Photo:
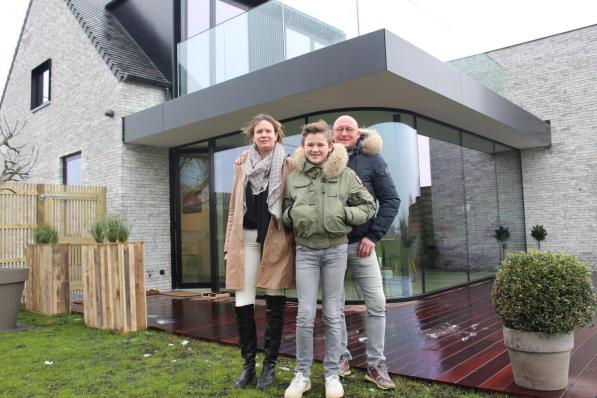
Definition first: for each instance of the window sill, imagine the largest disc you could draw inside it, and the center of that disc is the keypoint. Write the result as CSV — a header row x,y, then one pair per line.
x,y
41,106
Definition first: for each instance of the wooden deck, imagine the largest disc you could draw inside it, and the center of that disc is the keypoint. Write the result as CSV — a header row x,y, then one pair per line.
x,y
454,337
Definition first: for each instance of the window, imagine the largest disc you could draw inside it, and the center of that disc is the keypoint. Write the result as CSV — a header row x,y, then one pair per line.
x,y
40,84
227,9
197,17
71,169
201,15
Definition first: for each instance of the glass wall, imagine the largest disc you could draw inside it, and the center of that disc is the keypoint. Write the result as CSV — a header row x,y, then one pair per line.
x,y
275,31
195,240
456,189
248,41
444,250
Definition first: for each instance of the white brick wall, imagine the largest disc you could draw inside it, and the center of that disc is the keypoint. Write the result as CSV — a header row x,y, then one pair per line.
x,y
556,79
83,88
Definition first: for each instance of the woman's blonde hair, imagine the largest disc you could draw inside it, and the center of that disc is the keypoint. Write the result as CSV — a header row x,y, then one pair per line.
x,y
249,128
318,127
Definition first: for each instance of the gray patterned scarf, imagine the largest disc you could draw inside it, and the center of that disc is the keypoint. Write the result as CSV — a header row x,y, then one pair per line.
x,y
265,174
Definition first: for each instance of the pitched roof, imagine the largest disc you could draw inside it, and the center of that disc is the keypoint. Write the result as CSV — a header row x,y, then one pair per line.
x,y
121,52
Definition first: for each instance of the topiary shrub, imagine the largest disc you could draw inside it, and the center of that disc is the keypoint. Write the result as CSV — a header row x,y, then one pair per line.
x,y
502,234
543,292
45,234
539,234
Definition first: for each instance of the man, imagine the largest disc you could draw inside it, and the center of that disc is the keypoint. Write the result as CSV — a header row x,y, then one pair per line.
x,y
364,149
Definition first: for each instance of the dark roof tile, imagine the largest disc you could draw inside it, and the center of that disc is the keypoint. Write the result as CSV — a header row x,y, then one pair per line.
x,y
121,52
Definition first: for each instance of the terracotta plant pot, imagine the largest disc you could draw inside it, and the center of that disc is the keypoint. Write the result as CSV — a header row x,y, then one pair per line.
x,y
12,281
539,361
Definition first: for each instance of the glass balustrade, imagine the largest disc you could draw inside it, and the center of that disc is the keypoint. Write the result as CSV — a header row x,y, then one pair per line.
x,y
279,30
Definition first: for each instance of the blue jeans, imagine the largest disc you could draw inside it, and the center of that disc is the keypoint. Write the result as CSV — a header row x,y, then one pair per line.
x,y
367,277
329,265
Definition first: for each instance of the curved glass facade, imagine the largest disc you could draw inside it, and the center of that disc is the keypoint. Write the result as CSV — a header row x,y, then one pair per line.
x,y
456,188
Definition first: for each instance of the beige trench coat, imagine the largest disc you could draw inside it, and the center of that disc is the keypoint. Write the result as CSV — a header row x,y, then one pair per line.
x,y
276,270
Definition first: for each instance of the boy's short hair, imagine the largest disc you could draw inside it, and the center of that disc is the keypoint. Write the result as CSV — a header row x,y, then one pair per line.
x,y
318,127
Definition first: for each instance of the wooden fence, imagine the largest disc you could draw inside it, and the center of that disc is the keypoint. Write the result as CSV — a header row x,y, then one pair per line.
x,y
70,209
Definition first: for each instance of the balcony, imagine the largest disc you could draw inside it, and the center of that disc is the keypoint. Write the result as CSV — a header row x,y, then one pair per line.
x,y
269,34
297,57
280,30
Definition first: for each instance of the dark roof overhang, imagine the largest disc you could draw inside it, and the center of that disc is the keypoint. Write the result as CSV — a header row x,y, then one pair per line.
x,y
378,69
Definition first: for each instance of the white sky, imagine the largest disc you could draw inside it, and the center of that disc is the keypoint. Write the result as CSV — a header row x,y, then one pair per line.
x,y
447,29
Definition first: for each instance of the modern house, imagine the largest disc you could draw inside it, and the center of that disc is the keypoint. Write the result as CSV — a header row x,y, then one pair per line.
x,y
146,97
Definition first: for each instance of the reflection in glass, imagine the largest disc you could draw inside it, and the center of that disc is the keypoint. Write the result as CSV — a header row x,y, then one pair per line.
x,y
226,10
444,249
510,196
482,216
194,218
247,41
227,150
399,246
195,17
298,43
72,169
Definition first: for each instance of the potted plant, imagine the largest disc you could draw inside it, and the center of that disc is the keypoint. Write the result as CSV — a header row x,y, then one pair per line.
x,y
12,281
113,278
539,233
48,286
542,298
502,234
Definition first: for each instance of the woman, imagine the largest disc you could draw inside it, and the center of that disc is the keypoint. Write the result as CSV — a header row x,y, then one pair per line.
x,y
258,249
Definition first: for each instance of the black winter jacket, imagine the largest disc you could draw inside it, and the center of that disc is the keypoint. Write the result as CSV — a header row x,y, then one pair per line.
x,y
371,168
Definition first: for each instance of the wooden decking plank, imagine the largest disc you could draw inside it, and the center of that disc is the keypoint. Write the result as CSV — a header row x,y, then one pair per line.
x,y
480,361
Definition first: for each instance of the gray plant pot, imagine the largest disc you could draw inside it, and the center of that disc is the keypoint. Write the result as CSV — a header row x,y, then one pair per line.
x,y
539,361
12,281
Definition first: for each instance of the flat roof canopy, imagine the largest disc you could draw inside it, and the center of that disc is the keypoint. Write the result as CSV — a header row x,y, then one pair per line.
x,y
374,70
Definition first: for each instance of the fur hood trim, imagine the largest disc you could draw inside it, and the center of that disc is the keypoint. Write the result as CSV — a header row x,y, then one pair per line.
x,y
332,167
371,142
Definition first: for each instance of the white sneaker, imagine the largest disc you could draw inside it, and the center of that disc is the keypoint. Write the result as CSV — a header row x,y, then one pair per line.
x,y
298,386
333,387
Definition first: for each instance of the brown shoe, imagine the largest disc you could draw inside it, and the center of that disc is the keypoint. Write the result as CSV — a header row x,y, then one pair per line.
x,y
344,366
379,375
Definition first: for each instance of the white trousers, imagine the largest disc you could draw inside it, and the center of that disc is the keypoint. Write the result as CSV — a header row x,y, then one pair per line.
x,y
252,262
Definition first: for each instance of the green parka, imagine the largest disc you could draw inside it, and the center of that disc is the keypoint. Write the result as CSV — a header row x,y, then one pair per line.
x,y
322,203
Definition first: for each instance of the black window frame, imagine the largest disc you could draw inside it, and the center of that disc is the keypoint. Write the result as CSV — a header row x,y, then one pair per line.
x,y
64,165
37,84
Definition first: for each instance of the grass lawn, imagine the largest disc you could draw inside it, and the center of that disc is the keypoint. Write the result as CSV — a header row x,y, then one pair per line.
x,y
60,357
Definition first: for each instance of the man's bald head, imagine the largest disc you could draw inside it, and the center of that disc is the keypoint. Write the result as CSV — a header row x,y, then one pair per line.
x,y
346,131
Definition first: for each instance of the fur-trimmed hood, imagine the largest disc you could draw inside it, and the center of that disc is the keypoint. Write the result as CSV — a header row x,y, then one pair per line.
x,y
370,142
332,167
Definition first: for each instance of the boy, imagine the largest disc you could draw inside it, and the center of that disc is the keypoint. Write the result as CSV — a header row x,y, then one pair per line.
x,y
323,199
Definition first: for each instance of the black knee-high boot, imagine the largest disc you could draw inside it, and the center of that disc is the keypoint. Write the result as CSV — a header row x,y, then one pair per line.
x,y
247,333
273,338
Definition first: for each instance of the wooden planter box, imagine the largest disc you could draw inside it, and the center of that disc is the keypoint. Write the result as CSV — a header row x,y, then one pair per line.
x,y
48,286
114,286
